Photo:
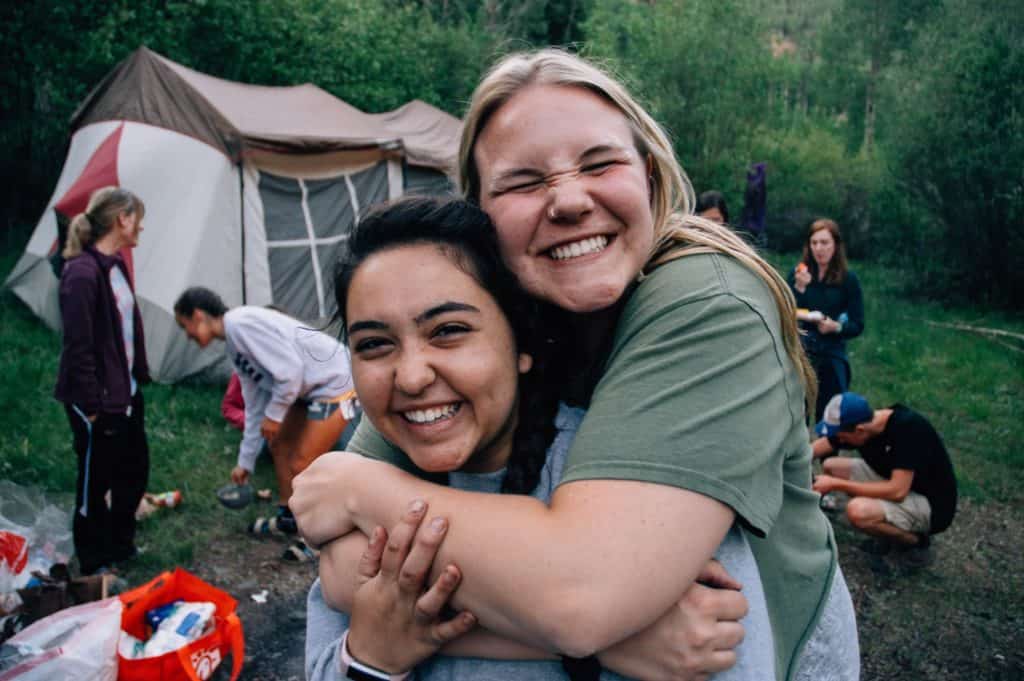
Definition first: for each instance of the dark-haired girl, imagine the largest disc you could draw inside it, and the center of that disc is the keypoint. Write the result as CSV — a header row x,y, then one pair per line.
x,y
454,367
823,283
102,365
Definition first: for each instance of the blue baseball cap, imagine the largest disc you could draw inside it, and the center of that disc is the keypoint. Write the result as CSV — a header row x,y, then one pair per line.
x,y
843,412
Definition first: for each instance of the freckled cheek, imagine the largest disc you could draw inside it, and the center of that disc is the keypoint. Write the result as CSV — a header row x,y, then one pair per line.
x,y
373,389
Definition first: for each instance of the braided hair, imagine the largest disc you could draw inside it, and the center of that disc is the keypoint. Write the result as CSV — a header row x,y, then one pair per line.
x,y
466,235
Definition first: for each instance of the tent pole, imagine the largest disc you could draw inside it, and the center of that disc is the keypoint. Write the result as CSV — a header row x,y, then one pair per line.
x,y
241,220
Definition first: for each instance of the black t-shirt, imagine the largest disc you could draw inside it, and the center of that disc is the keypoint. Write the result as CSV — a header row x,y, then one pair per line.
x,y
909,442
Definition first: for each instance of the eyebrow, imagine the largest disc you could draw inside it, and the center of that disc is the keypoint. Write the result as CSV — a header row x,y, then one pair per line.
x,y
437,310
363,325
448,306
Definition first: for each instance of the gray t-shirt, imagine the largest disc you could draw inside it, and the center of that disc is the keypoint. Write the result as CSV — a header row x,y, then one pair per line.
x,y
756,654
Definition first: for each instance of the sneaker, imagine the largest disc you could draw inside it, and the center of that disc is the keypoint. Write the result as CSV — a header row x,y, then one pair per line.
x,y
919,555
830,503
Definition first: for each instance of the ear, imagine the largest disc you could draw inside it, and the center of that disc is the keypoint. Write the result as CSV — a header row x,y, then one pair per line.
x,y
525,363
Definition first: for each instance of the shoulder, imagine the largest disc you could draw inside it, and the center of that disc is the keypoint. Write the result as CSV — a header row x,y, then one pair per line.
x,y
905,418
851,279
80,267
246,317
691,280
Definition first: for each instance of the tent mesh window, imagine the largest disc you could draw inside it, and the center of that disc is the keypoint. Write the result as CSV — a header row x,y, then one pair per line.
x,y
308,222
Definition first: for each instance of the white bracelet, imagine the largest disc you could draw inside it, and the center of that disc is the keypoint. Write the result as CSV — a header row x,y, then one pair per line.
x,y
359,671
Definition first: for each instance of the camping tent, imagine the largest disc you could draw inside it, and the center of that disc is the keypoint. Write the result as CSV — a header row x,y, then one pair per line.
x,y
249,190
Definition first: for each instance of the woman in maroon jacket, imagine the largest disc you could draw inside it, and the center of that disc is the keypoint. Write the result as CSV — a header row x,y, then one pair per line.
x,y
102,366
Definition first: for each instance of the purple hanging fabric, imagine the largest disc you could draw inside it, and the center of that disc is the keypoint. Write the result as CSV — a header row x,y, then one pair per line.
x,y
755,201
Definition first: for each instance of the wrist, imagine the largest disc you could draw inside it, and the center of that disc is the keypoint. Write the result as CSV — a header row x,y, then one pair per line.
x,y
352,494
353,667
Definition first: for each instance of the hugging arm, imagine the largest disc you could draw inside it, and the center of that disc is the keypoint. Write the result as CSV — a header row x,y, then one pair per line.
x,y
694,637
581,601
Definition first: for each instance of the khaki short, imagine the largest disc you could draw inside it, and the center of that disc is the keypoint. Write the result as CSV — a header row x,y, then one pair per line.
x,y
913,514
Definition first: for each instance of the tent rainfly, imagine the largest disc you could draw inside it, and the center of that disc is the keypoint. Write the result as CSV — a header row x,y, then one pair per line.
x,y
249,190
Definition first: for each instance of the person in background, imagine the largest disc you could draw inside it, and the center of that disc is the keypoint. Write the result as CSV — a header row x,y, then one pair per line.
x,y
102,366
755,205
296,387
903,488
711,205
832,308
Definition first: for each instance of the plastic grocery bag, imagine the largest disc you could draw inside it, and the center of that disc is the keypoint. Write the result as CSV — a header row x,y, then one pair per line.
x,y
46,528
75,644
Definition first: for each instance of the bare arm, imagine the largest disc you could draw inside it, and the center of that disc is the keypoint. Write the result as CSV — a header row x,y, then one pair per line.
x,y
894,489
821,448
339,580
581,601
694,637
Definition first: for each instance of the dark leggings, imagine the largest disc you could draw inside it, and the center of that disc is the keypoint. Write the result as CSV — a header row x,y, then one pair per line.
x,y
113,455
833,378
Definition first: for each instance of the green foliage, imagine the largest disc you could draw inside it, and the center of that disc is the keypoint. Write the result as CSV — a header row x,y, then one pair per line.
x,y
957,137
733,81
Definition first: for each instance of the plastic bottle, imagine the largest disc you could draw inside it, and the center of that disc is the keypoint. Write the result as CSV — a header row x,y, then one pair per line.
x,y
168,499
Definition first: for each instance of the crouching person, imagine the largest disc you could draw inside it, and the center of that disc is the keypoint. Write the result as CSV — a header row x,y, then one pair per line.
x,y
903,489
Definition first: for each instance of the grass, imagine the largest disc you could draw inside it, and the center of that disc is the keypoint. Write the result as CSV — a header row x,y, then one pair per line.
x,y
960,619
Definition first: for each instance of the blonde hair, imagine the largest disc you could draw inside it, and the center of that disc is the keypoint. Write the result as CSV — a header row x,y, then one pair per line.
x,y
677,232
105,205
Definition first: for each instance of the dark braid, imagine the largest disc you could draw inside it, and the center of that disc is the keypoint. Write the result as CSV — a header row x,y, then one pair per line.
x,y
539,393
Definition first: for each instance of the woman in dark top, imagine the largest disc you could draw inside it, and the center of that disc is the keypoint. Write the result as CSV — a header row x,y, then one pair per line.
x,y
823,284
102,366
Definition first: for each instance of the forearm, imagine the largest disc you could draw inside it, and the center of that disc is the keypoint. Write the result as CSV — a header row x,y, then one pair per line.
x,y
338,576
821,448
875,490
488,645
580,560
338,563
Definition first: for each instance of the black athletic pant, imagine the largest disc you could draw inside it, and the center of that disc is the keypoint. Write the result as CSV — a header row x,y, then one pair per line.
x,y
113,456
833,378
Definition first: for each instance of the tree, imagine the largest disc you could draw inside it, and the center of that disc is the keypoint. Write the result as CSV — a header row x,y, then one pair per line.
x,y
957,140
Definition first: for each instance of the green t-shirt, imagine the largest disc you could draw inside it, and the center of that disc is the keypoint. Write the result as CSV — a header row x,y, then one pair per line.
x,y
699,393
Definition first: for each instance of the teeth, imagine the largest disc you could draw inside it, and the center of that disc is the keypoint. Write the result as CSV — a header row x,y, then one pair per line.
x,y
578,248
431,415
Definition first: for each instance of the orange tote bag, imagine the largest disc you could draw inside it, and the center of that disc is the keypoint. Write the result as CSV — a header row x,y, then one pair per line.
x,y
199,659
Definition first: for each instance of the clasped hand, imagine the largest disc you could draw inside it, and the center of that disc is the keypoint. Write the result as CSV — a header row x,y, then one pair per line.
x,y
396,624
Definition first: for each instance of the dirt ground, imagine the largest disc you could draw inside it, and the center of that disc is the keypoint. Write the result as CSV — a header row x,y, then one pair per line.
x,y
275,631
960,618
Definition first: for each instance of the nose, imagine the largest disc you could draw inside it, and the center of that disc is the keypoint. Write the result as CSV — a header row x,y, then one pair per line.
x,y
413,373
569,200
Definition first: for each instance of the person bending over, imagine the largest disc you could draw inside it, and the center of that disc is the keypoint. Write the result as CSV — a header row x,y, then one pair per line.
x,y
295,382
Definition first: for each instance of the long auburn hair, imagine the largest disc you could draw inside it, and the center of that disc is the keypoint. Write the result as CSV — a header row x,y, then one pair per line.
x,y
835,272
677,231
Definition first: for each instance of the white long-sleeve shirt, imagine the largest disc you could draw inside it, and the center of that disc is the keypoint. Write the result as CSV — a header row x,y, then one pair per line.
x,y
279,360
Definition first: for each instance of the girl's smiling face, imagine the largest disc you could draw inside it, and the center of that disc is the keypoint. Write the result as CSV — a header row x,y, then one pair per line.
x,y
569,194
434,359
